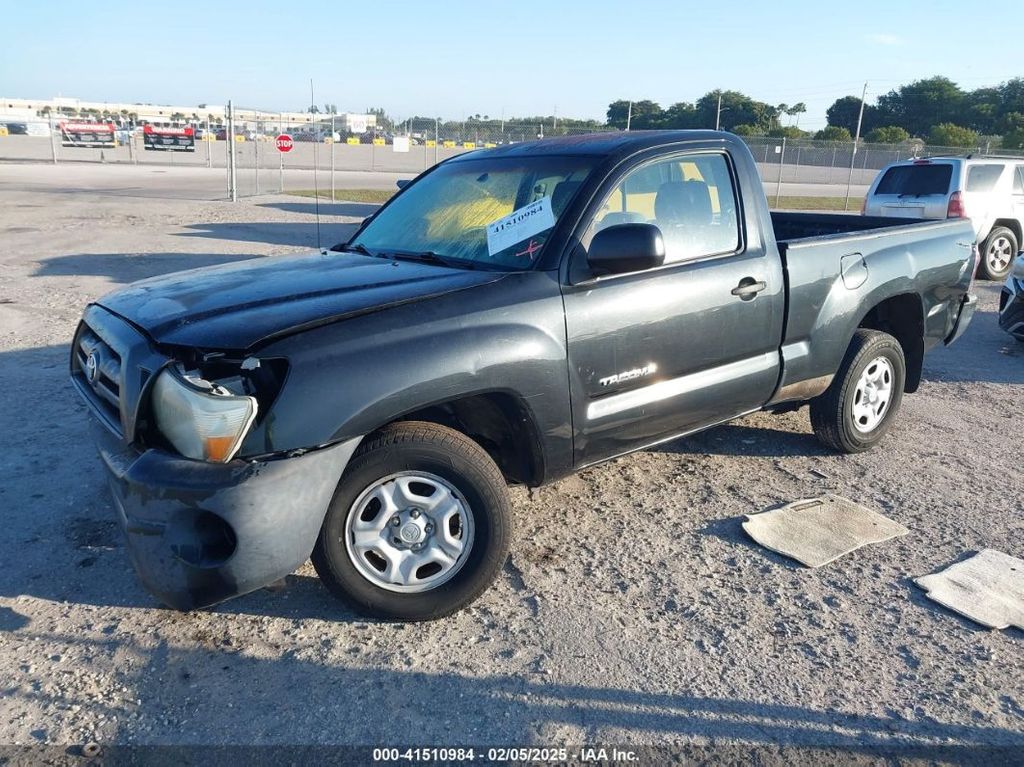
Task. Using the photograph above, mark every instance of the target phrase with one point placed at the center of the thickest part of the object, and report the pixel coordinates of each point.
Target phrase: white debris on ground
(988, 588)
(816, 531)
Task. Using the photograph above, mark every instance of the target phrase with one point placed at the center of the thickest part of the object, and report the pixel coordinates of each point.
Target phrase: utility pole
(53, 139)
(554, 120)
(856, 139)
(629, 115)
(718, 114)
(232, 178)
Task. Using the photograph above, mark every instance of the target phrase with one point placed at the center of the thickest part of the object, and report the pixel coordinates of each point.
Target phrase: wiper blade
(362, 249)
(431, 257)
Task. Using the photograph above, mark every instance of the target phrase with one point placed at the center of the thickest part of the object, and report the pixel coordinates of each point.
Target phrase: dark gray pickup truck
(510, 316)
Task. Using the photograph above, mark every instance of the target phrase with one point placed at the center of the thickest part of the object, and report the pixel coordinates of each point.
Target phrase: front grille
(98, 370)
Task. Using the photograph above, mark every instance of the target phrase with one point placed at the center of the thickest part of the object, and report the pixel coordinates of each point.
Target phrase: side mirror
(402, 183)
(626, 248)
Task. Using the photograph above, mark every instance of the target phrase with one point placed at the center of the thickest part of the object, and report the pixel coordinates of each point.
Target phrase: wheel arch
(1010, 223)
(500, 422)
(901, 316)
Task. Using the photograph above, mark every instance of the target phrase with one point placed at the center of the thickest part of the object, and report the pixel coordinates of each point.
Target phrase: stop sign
(284, 143)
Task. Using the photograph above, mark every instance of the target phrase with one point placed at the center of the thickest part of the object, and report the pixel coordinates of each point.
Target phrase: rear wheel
(419, 526)
(859, 407)
(997, 254)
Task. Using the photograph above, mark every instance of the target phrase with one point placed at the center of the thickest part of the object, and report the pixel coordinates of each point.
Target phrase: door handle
(749, 288)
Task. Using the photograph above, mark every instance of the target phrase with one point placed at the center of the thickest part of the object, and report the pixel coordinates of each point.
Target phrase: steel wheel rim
(999, 254)
(872, 394)
(409, 532)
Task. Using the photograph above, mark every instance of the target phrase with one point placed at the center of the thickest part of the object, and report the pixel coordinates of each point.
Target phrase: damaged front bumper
(199, 533)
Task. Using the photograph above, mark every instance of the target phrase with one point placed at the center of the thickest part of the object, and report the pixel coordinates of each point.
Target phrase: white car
(988, 191)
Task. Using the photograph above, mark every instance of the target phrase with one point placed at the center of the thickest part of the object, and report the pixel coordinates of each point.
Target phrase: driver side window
(690, 198)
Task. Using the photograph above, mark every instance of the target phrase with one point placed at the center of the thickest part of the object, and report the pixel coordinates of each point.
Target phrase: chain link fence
(331, 143)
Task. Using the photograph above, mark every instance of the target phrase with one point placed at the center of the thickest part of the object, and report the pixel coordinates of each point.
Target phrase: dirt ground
(633, 608)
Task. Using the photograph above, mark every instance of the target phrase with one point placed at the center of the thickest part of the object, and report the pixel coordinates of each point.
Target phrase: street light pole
(718, 114)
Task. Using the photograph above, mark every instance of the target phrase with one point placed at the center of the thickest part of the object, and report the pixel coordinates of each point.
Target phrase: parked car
(17, 129)
(247, 135)
(988, 191)
(368, 405)
(1011, 301)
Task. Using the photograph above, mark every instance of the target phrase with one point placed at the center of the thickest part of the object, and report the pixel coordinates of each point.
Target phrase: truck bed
(791, 226)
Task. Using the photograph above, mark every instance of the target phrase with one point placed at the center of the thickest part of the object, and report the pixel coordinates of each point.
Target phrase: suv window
(691, 199)
(983, 178)
(916, 180)
(1018, 180)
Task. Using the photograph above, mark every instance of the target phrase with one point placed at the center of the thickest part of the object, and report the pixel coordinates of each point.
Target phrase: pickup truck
(510, 316)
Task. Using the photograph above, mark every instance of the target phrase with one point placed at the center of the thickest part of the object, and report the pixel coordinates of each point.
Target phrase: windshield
(490, 213)
(916, 180)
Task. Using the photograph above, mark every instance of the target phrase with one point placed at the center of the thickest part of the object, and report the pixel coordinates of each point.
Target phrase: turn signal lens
(200, 422)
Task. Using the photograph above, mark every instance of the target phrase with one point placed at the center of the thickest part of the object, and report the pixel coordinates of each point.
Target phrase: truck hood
(236, 306)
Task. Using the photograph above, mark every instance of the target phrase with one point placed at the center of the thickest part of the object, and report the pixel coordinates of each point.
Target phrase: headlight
(200, 419)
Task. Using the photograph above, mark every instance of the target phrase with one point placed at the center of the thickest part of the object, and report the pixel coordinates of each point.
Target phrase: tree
(1013, 139)
(922, 104)
(1012, 128)
(888, 134)
(745, 130)
(617, 114)
(1011, 96)
(177, 116)
(780, 110)
(786, 131)
(981, 109)
(679, 116)
(949, 134)
(737, 109)
(834, 133)
(646, 114)
(313, 109)
(844, 112)
(796, 110)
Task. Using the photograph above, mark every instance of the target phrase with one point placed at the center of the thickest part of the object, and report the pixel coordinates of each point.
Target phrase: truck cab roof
(618, 144)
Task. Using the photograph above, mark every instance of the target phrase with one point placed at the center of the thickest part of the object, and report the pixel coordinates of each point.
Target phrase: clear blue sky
(456, 58)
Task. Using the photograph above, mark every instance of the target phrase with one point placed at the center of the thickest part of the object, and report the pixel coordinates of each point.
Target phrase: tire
(838, 416)
(997, 254)
(402, 462)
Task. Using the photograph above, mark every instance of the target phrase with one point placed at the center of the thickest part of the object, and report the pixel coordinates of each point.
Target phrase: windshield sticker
(520, 225)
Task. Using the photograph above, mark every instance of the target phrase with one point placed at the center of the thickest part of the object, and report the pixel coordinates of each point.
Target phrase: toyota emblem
(92, 368)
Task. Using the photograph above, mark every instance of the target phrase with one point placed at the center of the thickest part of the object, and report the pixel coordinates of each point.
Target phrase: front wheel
(858, 408)
(997, 254)
(419, 526)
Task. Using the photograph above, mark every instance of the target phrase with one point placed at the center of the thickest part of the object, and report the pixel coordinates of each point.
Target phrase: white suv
(988, 191)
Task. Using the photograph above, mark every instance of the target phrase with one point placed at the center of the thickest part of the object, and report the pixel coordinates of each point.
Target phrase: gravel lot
(633, 609)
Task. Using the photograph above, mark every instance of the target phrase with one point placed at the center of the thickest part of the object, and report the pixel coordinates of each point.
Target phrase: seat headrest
(561, 194)
(683, 202)
(671, 202)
